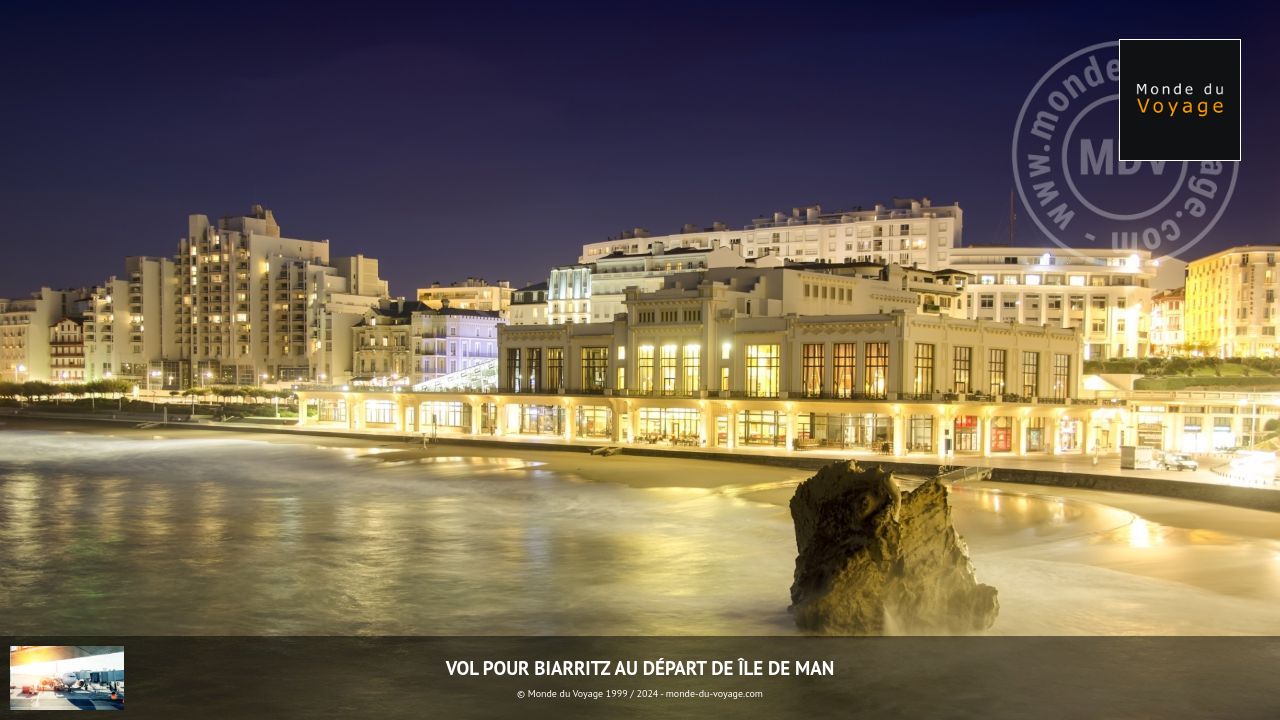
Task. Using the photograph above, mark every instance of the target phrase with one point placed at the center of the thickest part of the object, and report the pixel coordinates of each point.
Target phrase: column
(302, 410)
(984, 427)
(731, 442)
(475, 418)
(355, 413)
(791, 430)
(1022, 434)
(500, 418)
(899, 448)
(570, 421)
(633, 423)
(709, 425)
(1053, 426)
(615, 423)
(939, 434)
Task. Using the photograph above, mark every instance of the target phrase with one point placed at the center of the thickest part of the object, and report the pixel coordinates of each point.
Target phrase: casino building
(775, 357)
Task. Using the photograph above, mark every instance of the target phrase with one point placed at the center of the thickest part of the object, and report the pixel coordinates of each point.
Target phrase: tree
(1176, 365)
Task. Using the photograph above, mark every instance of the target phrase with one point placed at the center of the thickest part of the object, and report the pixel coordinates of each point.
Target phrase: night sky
(494, 141)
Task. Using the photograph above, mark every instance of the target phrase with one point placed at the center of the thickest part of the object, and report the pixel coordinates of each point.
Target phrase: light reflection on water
(233, 536)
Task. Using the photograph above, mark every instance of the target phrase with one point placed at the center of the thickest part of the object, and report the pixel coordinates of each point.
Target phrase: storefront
(449, 416)
(535, 419)
(1002, 434)
(968, 438)
(1150, 426)
(379, 413)
(1070, 435)
(845, 430)
(676, 425)
(765, 427)
(594, 421)
(1036, 440)
(920, 433)
(331, 411)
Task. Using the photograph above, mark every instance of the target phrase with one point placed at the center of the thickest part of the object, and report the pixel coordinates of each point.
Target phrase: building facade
(1168, 333)
(912, 232)
(407, 343)
(529, 305)
(66, 351)
(256, 307)
(1105, 293)
(1231, 306)
(130, 326)
(742, 358)
(25, 351)
(470, 294)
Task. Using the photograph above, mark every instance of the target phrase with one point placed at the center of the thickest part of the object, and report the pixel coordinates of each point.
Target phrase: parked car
(1179, 461)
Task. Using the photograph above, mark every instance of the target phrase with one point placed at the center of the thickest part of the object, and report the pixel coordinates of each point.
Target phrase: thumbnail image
(66, 677)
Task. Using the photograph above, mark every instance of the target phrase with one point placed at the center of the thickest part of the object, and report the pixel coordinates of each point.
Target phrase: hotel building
(1106, 293)
(1231, 306)
(130, 326)
(256, 307)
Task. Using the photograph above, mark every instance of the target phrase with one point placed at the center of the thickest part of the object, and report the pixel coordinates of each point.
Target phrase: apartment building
(25, 350)
(1105, 293)
(1231, 306)
(1168, 335)
(911, 232)
(470, 294)
(66, 351)
(529, 305)
(130, 326)
(256, 307)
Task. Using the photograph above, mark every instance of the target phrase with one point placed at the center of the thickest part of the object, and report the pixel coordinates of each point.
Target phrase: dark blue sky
(495, 140)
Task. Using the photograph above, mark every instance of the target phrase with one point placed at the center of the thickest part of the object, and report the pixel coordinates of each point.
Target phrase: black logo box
(1187, 68)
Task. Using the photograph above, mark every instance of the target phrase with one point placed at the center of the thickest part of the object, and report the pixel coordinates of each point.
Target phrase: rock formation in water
(872, 558)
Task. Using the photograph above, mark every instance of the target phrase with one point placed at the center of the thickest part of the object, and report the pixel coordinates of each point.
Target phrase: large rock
(874, 561)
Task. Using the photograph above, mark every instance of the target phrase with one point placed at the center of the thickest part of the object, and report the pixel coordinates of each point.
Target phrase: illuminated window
(924, 368)
(667, 367)
(692, 368)
(644, 368)
(814, 358)
(996, 370)
(595, 365)
(764, 370)
(876, 379)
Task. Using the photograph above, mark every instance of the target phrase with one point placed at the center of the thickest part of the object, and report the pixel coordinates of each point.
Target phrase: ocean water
(236, 536)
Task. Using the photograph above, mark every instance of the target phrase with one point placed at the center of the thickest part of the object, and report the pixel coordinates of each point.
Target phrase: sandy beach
(747, 481)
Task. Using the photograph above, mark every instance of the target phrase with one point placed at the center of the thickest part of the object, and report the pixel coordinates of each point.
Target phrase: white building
(130, 326)
(529, 305)
(257, 307)
(1106, 293)
(912, 232)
